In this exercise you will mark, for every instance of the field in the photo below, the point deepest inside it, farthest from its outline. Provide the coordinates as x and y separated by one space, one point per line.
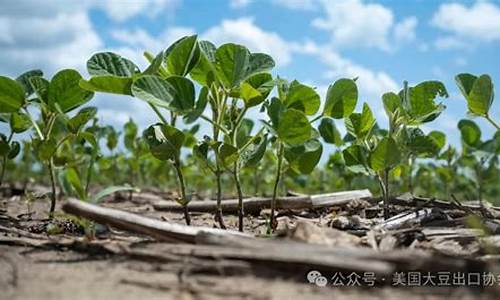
245 209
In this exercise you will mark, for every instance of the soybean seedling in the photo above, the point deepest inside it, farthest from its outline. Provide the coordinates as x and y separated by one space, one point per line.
161 85
294 137
228 72
479 94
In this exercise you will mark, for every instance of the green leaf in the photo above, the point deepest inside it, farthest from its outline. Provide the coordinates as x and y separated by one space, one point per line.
46 149
200 152
275 110
255 152
82 117
438 137
20 122
90 138
259 62
175 92
303 98
108 63
228 154
471 134
204 71
183 55
183 94
111 139
250 96
420 105
24 81
4 146
154 90
391 103
130 135
294 127
41 87
232 63
74 179
65 92
465 82
165 141
386 155
329 132
304 158
341 99
14 150
481 96
111 190
263 82
11 95
360 124
108 84
199 108
355 159
244 131
155 63
420 144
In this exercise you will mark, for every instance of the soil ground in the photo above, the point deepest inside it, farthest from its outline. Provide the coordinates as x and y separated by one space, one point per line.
51 273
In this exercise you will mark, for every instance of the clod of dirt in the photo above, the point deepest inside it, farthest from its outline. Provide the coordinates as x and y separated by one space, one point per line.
307 232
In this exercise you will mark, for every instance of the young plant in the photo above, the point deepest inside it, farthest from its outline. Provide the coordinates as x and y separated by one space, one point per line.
377 152
230 71
161 85
294 137
479 94
15 98
57 97
480 158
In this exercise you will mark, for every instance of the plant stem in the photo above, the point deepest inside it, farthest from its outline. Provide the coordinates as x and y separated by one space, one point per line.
158 113
2 172
184 200
272 222
39 132
173 119
410 175
241 211
221 128
316 119
387 193
4 159
218 213
492 122
89 174
218 116
53 186
383 180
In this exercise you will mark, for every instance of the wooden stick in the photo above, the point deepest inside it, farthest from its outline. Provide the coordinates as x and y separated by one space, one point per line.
160 230
253 205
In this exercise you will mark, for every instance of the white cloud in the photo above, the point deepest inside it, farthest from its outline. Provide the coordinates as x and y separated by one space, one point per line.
404 31
239 3
451 42
353 23
142 40
480 21
297 4
63 40
244 31
373 83
119 10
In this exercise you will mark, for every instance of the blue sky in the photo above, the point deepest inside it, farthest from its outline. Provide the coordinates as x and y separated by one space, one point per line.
314 41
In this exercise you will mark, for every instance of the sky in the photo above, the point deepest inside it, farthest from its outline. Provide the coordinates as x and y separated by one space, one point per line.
316 42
